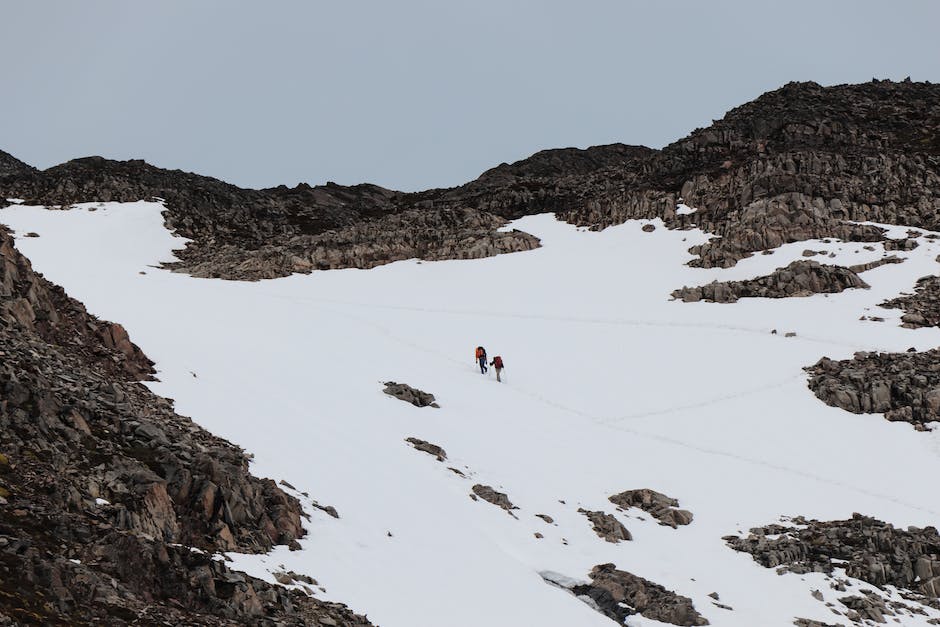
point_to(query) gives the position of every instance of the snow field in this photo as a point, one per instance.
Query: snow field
(610, 386)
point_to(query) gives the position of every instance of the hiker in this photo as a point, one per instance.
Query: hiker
(498, 364)
(481, 359)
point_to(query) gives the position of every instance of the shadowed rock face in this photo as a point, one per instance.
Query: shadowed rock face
(905, 386)
(96, 468)
(800, 278)
(794, 164)
(873, 551)
(619, 594)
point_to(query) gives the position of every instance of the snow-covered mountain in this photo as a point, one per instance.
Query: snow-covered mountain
(644, 460)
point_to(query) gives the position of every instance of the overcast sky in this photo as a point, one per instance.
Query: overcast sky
(414, 94)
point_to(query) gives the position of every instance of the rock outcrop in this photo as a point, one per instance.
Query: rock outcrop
(868, 549)
(904, 386)
(607, 526)
(661, 507)
(427, 447)
(922, 308)
(800, 278)
(619, 594)
(488, 494)
(110, 502)
(404, 392)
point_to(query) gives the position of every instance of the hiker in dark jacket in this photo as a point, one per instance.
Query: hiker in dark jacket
(498, 364)
(481, 359)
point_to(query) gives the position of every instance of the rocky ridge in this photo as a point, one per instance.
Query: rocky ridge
(111, 504)
(800, 278)
(922, 308)
(797, 163)
(661, 507)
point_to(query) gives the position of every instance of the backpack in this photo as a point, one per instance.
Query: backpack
(480, 352)
(498, 362)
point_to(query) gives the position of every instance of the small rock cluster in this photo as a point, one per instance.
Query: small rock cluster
(656, 504)
(922, 308)
(427, 447)
(405, 392)
(868, 549)
(490, 495)
(800, 278)
(905, 386)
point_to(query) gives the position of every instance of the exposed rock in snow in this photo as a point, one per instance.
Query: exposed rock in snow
(409, 394)
(905, 386)
(658, 505)
(800, 278)
(868, 549)
(922, 308)
(606, 526)
(490, 495)
(427, 447)
(871, 265)
(618, 595)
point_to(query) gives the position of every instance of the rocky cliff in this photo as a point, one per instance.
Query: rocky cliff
(111, 504)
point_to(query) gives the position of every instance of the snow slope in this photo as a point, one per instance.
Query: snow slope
(610, 386)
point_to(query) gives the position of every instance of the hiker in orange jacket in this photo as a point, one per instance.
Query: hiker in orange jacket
(481, 359)
(498, 364)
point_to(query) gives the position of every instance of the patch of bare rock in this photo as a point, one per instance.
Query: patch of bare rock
(904, 386)
(800, 278)
(111, 504)
(427, 447)
(488, 494)
(922, 308)
(868, 549)
(607, 526)
(661, 507)
(619, 594)
(871, 265)
(405, 392)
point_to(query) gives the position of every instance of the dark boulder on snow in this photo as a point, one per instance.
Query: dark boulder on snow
(488, 494)
(405, 392)
(427, 447)
(800, 278)
(656, 504)
(607, 526)
(619, 594)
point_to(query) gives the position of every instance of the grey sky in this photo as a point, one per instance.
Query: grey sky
(413, 94)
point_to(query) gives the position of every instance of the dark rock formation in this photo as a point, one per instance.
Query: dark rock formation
(800, 278)
(96, 468)
(871, 265)
(488, 494)
(868, 549)
(405, 392)
(922, 308)
(905, 386)
(792, 165)
(656, 504)
(606, 526)
(427, 447)
(618, 595)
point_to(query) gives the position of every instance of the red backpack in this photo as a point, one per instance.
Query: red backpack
(498, 362)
